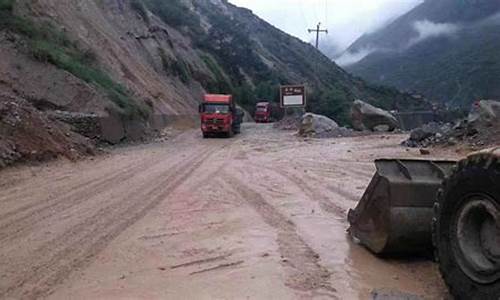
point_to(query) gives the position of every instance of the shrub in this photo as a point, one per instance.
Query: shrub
(140, 8)
(175, 67)
(221, 83)
(174, 13)
(7, 5)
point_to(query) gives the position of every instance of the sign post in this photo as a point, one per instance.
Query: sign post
(294, 97)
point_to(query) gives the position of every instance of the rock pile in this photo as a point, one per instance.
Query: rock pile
(319, 126)
(481, 128)
(289, 122)
(431, 134)
(27, 134)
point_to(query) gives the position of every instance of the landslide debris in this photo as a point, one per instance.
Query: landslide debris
(481, 128)
(318, 126)
(27, 134)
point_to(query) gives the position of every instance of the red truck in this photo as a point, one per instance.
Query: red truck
(263, 112)
(219, 115)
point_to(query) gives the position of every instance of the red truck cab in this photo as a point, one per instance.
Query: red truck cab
(263, 112)
(219, 115)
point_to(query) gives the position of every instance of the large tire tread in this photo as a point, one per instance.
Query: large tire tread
(475, 169)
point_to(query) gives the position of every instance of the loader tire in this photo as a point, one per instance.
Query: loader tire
(466, 231)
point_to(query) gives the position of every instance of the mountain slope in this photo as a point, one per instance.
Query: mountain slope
(133, 65)
(257, 57)
(446, 49)
(167, 54)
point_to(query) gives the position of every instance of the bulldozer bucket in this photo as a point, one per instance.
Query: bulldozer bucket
(394, 216)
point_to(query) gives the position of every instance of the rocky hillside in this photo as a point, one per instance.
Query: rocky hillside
(446, 49)
(125, 67)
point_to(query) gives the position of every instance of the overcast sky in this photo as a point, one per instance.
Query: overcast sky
(346, 20)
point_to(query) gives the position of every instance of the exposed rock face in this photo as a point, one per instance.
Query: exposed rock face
(368, 117)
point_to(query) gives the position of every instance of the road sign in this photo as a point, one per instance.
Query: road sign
(293, 96)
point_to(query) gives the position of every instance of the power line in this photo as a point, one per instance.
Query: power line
(326, 12)
(300, 6)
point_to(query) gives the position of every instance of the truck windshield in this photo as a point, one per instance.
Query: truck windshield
(261, 109)
(216, 108)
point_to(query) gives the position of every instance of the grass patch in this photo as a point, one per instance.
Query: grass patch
(174, 13)
(175, 67)
(49, 45)
(221, 83)
(7, 5)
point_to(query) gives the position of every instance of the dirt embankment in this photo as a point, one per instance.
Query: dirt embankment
(28, 134)
(177, 220)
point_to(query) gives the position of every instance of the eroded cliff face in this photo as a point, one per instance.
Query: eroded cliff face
(127, 47)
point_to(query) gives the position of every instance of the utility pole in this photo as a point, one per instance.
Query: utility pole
(318, 31)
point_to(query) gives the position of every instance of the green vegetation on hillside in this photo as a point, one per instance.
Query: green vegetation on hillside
(250, 59)
(173, 12)
(48, 45)
(454, 69)
(175, 67)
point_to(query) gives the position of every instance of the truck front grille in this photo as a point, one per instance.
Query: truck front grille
(215, 121)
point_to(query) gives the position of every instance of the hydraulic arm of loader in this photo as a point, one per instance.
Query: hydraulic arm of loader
(395, 213)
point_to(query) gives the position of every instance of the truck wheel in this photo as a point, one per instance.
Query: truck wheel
(466, 227)
(205, 135)
(230, 133)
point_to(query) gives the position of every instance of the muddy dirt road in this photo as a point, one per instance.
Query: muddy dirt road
(261, 216)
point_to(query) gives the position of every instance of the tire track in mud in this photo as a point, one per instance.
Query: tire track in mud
(313, 194)
(324, 202)
(50, 206)
(346, 168)
(78, 246)
(29, 188)
(305, 273)
(88, 184)
(103, 170)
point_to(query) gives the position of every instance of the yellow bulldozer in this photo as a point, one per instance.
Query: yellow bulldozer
(447, 207)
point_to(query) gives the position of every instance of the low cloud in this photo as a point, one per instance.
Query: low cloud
(427, 29)
(349, 58)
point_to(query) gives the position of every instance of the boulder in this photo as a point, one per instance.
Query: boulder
(317, 125)
(484, 114)
(424, 132)
(368, 117)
